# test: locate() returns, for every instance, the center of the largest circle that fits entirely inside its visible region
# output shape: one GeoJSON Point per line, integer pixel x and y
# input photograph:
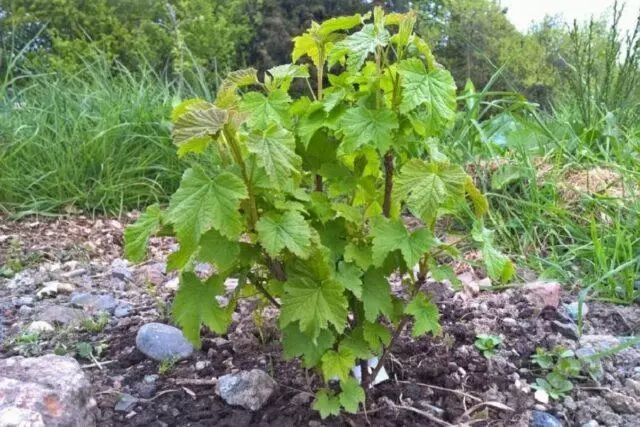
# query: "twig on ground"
{"type": "Point", "coordinates": [196, 381]}
{"type": "Point", "coordinates": [474, 408]}
{"type": "Point", "coordinates": [98, 364]}
{"type": "Point", "coordinates": [423, 413]}
{"type": "Point", "coordinates": [435, 387]}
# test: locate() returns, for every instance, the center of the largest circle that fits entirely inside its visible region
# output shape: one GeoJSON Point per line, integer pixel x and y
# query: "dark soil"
{"type": "Point", "coordinates": [442, 377]}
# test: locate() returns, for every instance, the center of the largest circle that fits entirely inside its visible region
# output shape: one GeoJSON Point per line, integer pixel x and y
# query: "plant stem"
{"type": "Point", "coordinates": [237, 156]}
{"type": "Point", "coordinates": [266, 293]}
{"type": "Point", "coordinates": [319, 183]}
{"type": "Point", "coordinates": [385, 352]}
{"type": "Point", "coordinates": [320, 76]}
{"type": "Point", "coordinates": [388, 183]}
{"type": "Point", "coordinates": [276, 268]}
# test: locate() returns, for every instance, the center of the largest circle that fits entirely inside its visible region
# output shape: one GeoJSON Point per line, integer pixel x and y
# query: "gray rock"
{"type": "Point", "coordinates": [249, 389]}
{"type": "Point", "coordinates": [74, 273]}
{"type": "Point", "coordinates": [148, 387]}
{"type": "Point", "coordinates": [94, 303]}
{"type": "Point", "coordinates": [122, 310]}
{"type": "Point", "coordinates": [609, 418]}
{"type": "Point", "coordinates": [621, 403]}
{"type": "Point", "coordinates": [62, 315]}
{"type": "Point", "coordinates": [49, 390]}
{"type": "Point", "coordinates": [25, 310]}
{"type": "Point", "coordinates": [508, 321]}
{"type": "Point", "coordinates": [592, 423]}
{"type": "Point", "coordinates": [120, 270]}
{"type": "Point", "coordinates": [161, 342]}
{"type": "Point", "coordinates": [301, 399]}
{"type": "Point", "coordinates": [570, 404]}
{"type": "Point", "coordinates": [544, 419]}
{"type": "Point", "coordinates": [568, 330]}
{"type": "Point", "coordinates": [23, 279]}
{"type": "Point", "coordinates": [26, 300]}
{"type": "Point", "coordinates": [126, 403]}
{"type": "Point", "coordinates": [40, 327]}
{"type": "Point", "coordinates": [572, 310]}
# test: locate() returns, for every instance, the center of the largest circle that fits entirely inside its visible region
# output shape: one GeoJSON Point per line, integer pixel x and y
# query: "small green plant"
{"type": "Point", "coordinates": [96, 325]}
{"type": "Point", "coordinates": [167, 365]}
{"type": "Point", "coordinates": [26, 344]}
{"type": "Point", "coordinates": [302, 200]}
{"type": "Point", "coordinates": [563, 366]}
{"type": "Point", "coordinates": [488, 344]}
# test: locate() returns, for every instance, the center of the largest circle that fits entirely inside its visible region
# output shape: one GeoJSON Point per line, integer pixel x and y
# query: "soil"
{"type": "Point", "coordinates": [444, 378]}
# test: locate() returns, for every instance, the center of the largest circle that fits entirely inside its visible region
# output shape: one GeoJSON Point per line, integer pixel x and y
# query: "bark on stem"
{"type": "Point", "coordinates": [388, 183]}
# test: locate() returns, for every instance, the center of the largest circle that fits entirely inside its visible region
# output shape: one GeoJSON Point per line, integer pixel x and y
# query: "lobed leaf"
{"type": "Point", "coordinates": [136, 235]}
{"type": "Point", "coordinates": [426, 315]}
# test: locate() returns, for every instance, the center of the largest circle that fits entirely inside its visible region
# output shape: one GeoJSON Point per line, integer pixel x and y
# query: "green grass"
{"type": "Point", "coordinates": [97, 140]}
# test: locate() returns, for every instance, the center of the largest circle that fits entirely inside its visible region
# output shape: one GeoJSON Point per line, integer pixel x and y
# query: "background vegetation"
{"type": "Point", "coordinates": [550, 127]}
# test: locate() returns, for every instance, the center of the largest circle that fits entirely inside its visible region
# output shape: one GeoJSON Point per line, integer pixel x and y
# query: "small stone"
{"type": "Point", "coordinates": [19, 417]}
{"type": "Point", "coordinates": [51, 289]}
{"type": "Point", "coordinates": [249, 389]}
{"type": "Point", "coordinates": [126, 403]}
{"type": "Point", "coordinates": [544, 419]}
{"type": "Point", "coordinates": [74, 273]}
{"type": "Point", "coordinates": [543, 294]}
{"type": "Point", "coordinates": [592, 423]}
{"type": "Point", "coordinates": [122, 310]}
{"type": "Point", "coordinates": [572, 310]}
{"type": "Point", "coordinates": [150, 379]}
{"type": "Point", "coordinates": [301, 399]}
{"type": "Point", "coordinates": [541, 396]}
{"type": "Point", "coordinates": [172, 284]}
{"type": "Point", "coordinates": [570, 404]}
{"type": "Point", "coordinates": [609, 418]}
{"type": "Point", "coordinates": [40, 327]}
{"type": "Point", "coordinates": [508, 321]}
{"type": "Point", "coordinates": [95, 303]}
{"type": "Point", "coordinates": [568, 330]}
{"type": "Point", "coordinates": [26, 300]}
{"type": "Point", "coordinates": [633, 386]}
{"type": "Point", "coordinates": [146, 390]}
{"type": "Point", "coordinates": [201, 364]}
{"type": "Point", "coordinates": [120, 270]}
{"type": "Point", "coordinates": [154, 273]}
{"type": "Point", "coordinates": [23, 279]}
{"type": "Point", "coordinates": [161, 342]}
{"type": "Point", "coordinates": [25, 310]}
{"type": "Point", "coordinates": [59, 314]}
{"type": "Point", "coordinates": [621, 403]}
{"type": "Point", "coordinates": [220, 342]}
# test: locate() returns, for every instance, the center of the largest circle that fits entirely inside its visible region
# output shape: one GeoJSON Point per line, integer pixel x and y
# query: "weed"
{"type": "Point", "coordinates": [96, 325]}
{"type": "Point", "coordinates": [488, 344]}
{"type": "Point", "coordinates": [167, 365]}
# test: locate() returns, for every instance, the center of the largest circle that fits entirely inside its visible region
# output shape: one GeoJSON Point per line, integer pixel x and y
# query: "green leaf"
{"type": "Point", "coordinates": [480, 203]}
{"type": "Point", "coordinates": [425, 187]}
{"type": "Point", "coordinates": [361, 44]}
{"type": "Point", "coordinates": [218, 250]}
{"type": "Point", "coordinates": [340, 23]}
{"type": "Point", "coordinates": [227, 96]}
{"type": "Point", "coordinates": [316, 304]}
{"type": "Point", "coordinates": [351, 278]}
{"type": "Point", "coordinates": [194, 128]}
{"type": "Point", "coordinates": [355, 342]}
{"type": "Point", "coordinates": [376, 335]}
{"type": "Point", "coordinates": [178, 259]}
{"type": "Point", "coordinates": [266, 110]}
{"type": "Point", "coordinates": [295, 343]}
{"type": "Point", "coordinates": [426, 315]}
{"type": "Point", "coordinates": [307, 44]}
{"type": "Point", "coordinates": [136, 235]}
{"type": "Point", "coordinates": [202, 202]}
{"type": "Point", "coordinates": [376, 295]}
{"type": "Point", "coordinates": [195, 303]}
{"type": "Point", "coordinates": [280, 77]}
{"type": "Point", "coordinates": [275, 151]}
{"type": "Point", "coordinates": [362, 125]}
{"type": "Point", "coordinates": [351, 396]}
{"type": "Point", "coordinates": [338, 364]}
{"type": "Point", "coordinates": [436, 90]}
{"type": "Point", "coordinates": [359, 254]}
{"type": "Point", "coordinates": [499, 266]}
{"type": "Point", "coordinates": [391, 235]}
{"type": "Point", "coordinates": [326, 404]}
{"type": "Point", "coordinates": [290, 230]}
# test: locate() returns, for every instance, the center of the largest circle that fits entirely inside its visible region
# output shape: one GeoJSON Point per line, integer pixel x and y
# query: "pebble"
{"type": "Point", "coordinates": [94, 303]}
{"type": "Point", "coordinates": [201, 364]}
{"type": "Point", "coordinates": [572, 310]}
{"type": "Point", "coordinates": [301, 399]}
{"type": "Point", "coordinates": [544, 419]}
{"type": "Point", "coordinates": [120, 270]}
{"type": "Point", "coordinates": [543, 294]}
{"type": "Point", "coordinates": [74, 273]}
{"type": "Point", "coordinates": [249, 389]}
{"type": "Point", "coordinates": [40, 327]}
{"type": "Point", "coordinates": [568, 330]}
{"type": "Point", "coordinates": [126, 403]}
{"type": "Point", "coordinates": [59, 314]}
{"type": "Point", "coordinates": [122, 310]}
{"type": "Point", "coordinates": [26, 300]}
{"type": "Point", "coordinates": [541, 396]}
{"type": "Point", "coordinates": [25, 310]}
{"type": "Point", "coordinates": [508, 321]}
{"type": "Point", "coordinates": [161, 342]}
{"type": "Point", "coordinates": [570, 404]}
{"type": "Point", "coordinates": [172, 284]}
{"type": "Point", "coordinates": [51, 289]}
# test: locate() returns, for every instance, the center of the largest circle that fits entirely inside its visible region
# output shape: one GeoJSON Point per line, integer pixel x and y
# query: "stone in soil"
{"type": "Point", "coordinates": [544, 419]}
{"type": "Point", "coordinates": [572, 310]}
{"type": "Point", "coordinates": [543, 294]}
{"type": "Point", "coordinates": [120, 270]}
{"type": "Point", "coordinates": [26, 300]}
{"type": "Point", "coordinates": [249, 389]}
{"type": "Point", "coordinates": [40, 327]}
{"type": "Point", "coordinates": [162, 342]}
{"type": "Point", "coordinates": [568, 330]}
{"type": "Point", "coordinates": [95, 303]}
{"type": "Point", "coordinates": [51, 289]}
{"type": "Point", "coordinates": [49, 390]}
{"type": "Point", "coordinates": [62, 315]}
{"type": "Point", "coordinates": [122, 310]}
{"type": "Point", "coordinates": [126, 403]}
